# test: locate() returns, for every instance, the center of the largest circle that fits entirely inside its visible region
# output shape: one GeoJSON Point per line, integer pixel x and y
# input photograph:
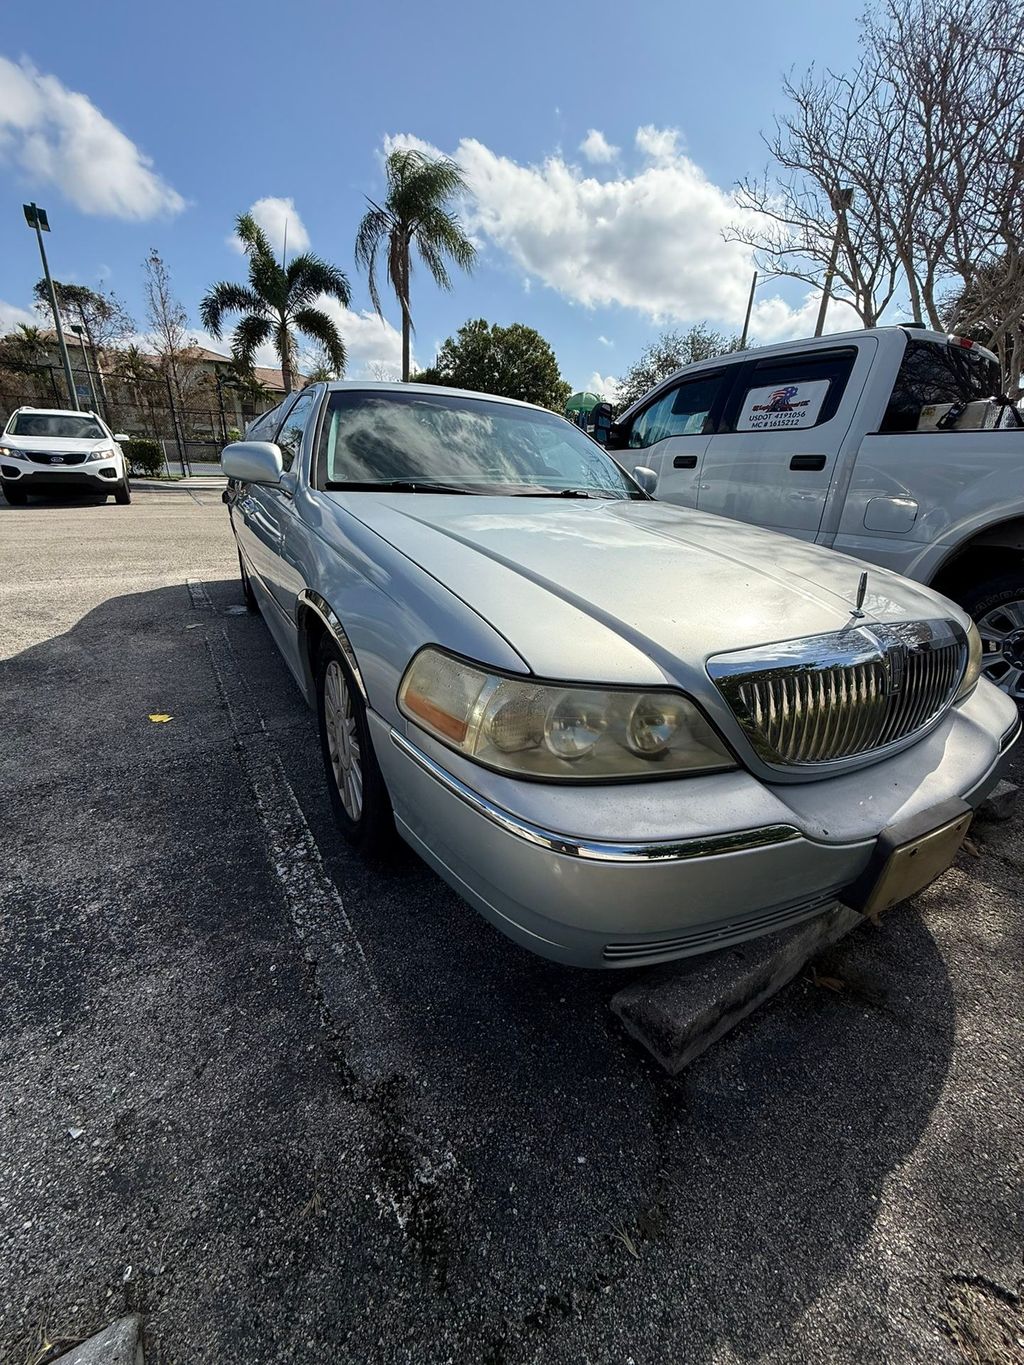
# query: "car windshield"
{"type": "Point", "coordinates": [421, 443]}
{"type": "Point", "coordinates": [67, 426]}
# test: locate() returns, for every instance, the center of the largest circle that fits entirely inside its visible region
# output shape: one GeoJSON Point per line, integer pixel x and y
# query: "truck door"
{"type": "Point", "coordinates": [774, 456]}
{"type": "Point", "coordinates": [671, 434]}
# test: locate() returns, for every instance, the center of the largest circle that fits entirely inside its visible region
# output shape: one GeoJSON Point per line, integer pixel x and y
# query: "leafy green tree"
{"type": "Point", "coordinates": [278, 301]}
{"type": "Point", "coordinates": [416, 213]}
{"type": "Point", "coordinates": [102, 317]}
{"type": "Point", "coordinates": [669, 352]}
{"type": "Point", "coordinates": [514, 361]}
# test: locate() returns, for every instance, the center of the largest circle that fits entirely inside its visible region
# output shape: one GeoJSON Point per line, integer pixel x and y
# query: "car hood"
{"type": "Point", "coordinates": [630, 592]}
{"type": "Point", "coordinates": [63, 445]}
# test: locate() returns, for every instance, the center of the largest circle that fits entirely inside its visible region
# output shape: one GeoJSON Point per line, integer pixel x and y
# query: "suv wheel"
{"type": "Point", "coordinates": [359, 797]}
{"type": "Point", "coordinates": [123, 492]}
{"type": "Point", "coordinates": [997, 607]}
{"type": "Point", "coordinates": [17, 497]}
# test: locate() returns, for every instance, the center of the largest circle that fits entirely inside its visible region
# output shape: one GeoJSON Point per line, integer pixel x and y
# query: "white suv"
{"type": "Point", "coordinates": [42, 448]}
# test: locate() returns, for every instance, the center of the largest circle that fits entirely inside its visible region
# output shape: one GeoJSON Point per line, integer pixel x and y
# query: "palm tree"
{"type": "Point", "coordinates": [415, 211]}
{"type": "Point", "coordinates": [278, 301]}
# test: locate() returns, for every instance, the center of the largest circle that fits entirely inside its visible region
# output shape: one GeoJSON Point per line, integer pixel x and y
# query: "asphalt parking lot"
{"type": "Point", "coordinates": [292, 1109]}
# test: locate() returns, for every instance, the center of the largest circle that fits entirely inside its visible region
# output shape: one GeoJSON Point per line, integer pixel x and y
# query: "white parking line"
{"type": "Point", "coordinates": [327, 934]}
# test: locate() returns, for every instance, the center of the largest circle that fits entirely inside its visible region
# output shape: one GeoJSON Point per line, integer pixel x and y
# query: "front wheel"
{"type": "Point", "coordinates": [997, 606]}
{"type": "Point", "coordinates": [17, 497]}
{"type": "Point", "coordinates": [123, 492]}
{"type": "Point", "coordinates": [359, 797]}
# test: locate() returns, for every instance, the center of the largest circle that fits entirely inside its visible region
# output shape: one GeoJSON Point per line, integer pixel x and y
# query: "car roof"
{"type": "Point", "coordinates": [396, 386]}
{"type": "Point", "coordinates": [59, 412]}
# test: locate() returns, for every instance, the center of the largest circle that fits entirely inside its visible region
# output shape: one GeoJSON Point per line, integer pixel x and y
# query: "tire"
{"type": "Point", "coordinates": [359, 798]}
{"type": "Point", "coordinates": [123, 493]}
{"type": "Point", "coordinates": [247, 592]}
{"type": "Point", "coordinates": [16, 497]}
{"type": "Point", "coordinates": [997, 607]}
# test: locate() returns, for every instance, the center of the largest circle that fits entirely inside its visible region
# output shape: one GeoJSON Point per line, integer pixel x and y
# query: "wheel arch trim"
{"type": "Point", "coordinates": [309, 600]}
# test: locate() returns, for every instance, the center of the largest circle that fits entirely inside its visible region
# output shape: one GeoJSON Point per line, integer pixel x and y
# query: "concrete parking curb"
{"type": "Point", "coordinates": [677, 1012]}
{"type": "Point", "coordinates": [1000, 802]}
{"type": "Point", "coordinates": [118, 1344]}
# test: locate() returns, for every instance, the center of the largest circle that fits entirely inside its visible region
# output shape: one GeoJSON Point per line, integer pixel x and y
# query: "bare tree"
{"type": "Point", "coordinates": [928, 132]}
{"type": "Point", "coordinates": [172, 343]}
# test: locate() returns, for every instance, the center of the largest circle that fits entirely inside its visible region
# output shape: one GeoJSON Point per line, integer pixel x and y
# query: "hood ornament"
{"type": "Point", "coordinates": [862, 588]}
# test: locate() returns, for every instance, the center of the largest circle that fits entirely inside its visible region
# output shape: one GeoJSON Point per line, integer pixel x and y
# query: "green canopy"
{"type": "Point", "coordinates": [583, 402]}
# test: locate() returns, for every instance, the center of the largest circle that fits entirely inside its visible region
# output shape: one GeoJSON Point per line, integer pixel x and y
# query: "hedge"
{"type": "Point", "coordinates": [144, 456]}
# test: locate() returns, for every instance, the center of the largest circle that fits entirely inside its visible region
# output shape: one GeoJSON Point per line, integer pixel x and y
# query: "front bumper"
{"type": "Point", "coordinates": [670, 869]}
{"type": "Point", "coordinates": [99, 476]}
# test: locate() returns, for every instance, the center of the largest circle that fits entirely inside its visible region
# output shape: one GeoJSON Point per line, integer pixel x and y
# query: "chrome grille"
{"type": "Point", "coordinates": [830, 697]}
{"type": "Point", "coordinates": [54, 456]}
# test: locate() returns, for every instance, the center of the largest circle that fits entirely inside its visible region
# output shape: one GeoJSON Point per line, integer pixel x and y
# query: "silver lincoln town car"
{"type": "Point", "coordinates": [623, 731]}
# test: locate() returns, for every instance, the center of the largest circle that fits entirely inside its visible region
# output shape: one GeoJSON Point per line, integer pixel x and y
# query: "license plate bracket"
{"type": "Point", "coordinates": [908, 856]}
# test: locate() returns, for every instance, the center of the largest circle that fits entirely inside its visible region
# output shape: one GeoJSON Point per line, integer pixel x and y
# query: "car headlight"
{"type": "Point", "coordinates": [975, 658]}
{"type": "Point", "coordinates": [11, 453]}
{"type": "Point", "coordinates": [107, 453]}
{"type": "Point", "coordinates": [557, 731]}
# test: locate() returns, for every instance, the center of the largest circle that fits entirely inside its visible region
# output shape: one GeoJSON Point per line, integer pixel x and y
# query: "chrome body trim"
{"type": "Point", "coordinates": [662, 850]}
{"type": "Point", "coordinates": [322, 608]}
{"type": "Point", "coordinates": [1011, 736]}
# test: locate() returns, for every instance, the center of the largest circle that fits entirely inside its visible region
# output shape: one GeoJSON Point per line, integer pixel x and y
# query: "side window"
{"type": "Point", "coordinates": [683, 411]}
{"type": "Point", "coordinates": [263, 428]}
{"type": "Point", "coordinates": [290, 436]}
{"type": "Point", "coordinates": [936, 372]}
{"type": "Point", "coordinates": [792, 392]}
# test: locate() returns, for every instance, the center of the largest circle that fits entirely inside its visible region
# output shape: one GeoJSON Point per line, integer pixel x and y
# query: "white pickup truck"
{"type": "Point", "coordinates": [892, 444]}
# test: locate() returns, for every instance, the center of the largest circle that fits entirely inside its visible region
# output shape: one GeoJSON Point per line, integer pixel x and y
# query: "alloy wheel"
{"type": "Point", "coordinates": [343, 740]}
{"type": "Point", "coordinates": [1002, 638]}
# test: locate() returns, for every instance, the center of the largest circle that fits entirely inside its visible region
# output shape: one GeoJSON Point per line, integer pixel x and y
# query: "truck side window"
{"type": "Point", "coordinates": [936, 372]}
{"type": "Point", "coordinates": [683, 411]}
{"type": "Point", "coordinates": [792, 392]}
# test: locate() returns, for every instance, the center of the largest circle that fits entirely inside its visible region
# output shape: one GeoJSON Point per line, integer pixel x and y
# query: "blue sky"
{"type": "Point", "coordinates": [138, 126]}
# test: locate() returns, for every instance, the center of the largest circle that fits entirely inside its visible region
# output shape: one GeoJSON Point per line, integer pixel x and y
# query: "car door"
{"type": "Point", "coordinates": [671, 433]}
{"type": "Point", "coordinates": [773, 460]}
{"type": "Point", "coordinates": [246, 512]}
{"type": "Point", "coordinates": [273, 507]}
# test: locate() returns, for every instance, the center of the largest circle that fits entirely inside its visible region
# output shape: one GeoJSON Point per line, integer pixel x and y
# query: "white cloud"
{"type": "Point", "coordinates": [604, 384]}
{"type": "Point", "coordinates": [605, 341]}
{"type": "Point", "coordinates": [660, 144]}
{"type": "Point", "coordinates": [651, 241]}
{"type": "Point", "coordinates": [596, 147]}
{"type": "Point", "coordinates": [374, 347]}
{"type": "Point", "coordinates": [12, 316]}
{"type": "Point", "coordinates": [57, 136]}
{"type": "Point", "coordinates": [773, 319]}
{"type": "Point", "coordinates": [274, 216]}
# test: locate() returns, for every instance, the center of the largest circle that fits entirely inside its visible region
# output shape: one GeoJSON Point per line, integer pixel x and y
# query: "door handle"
{"type": "Point", "coordinates": [807, 462]}
{"type": "Point", "coordinates": [685, 462]}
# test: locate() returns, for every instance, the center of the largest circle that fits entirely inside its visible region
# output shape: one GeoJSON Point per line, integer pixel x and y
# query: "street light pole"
{"type": "Point", "coordinates": [36, 218]}
{"type": "Point", "coordinates": [841, 201]}
{"type": "Point", "coordinates": [79, 332]}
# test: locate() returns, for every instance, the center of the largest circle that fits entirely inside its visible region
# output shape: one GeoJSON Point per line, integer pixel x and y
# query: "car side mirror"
{"type": "Point", "coordinates": [253, 462]}
{"type": "Point", "coordinates": [646, 478]}
{"type": "Point", "coordinates": [122, 436]}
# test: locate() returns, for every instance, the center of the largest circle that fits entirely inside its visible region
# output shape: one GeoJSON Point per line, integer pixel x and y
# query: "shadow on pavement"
{"type": "Point", "coordinates": [518, 1183]}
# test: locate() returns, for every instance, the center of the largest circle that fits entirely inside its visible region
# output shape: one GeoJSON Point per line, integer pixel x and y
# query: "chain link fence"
{"type": "Point", "coordinates": [191, 427]}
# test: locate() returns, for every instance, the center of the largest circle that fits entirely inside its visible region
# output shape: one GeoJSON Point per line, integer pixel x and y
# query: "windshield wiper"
{"type": "Point", "coordinates": [560, 493]}
{"type": "Point", "coordinates": [397, 486]}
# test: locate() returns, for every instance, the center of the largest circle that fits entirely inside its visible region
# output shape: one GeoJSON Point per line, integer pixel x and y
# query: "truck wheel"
{"type": "Point", "coordinates": [997, 607]}
{"type": "Point", "coordinates": [362, 808]}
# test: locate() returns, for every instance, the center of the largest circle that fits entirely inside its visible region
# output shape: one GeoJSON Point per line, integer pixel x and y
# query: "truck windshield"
{"type": "Point", "coordinates": [65, 426]}
{"type": "Point", "coordinates": [380, 439]}
{"type": "Point", "coordinates": [936, 372]}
